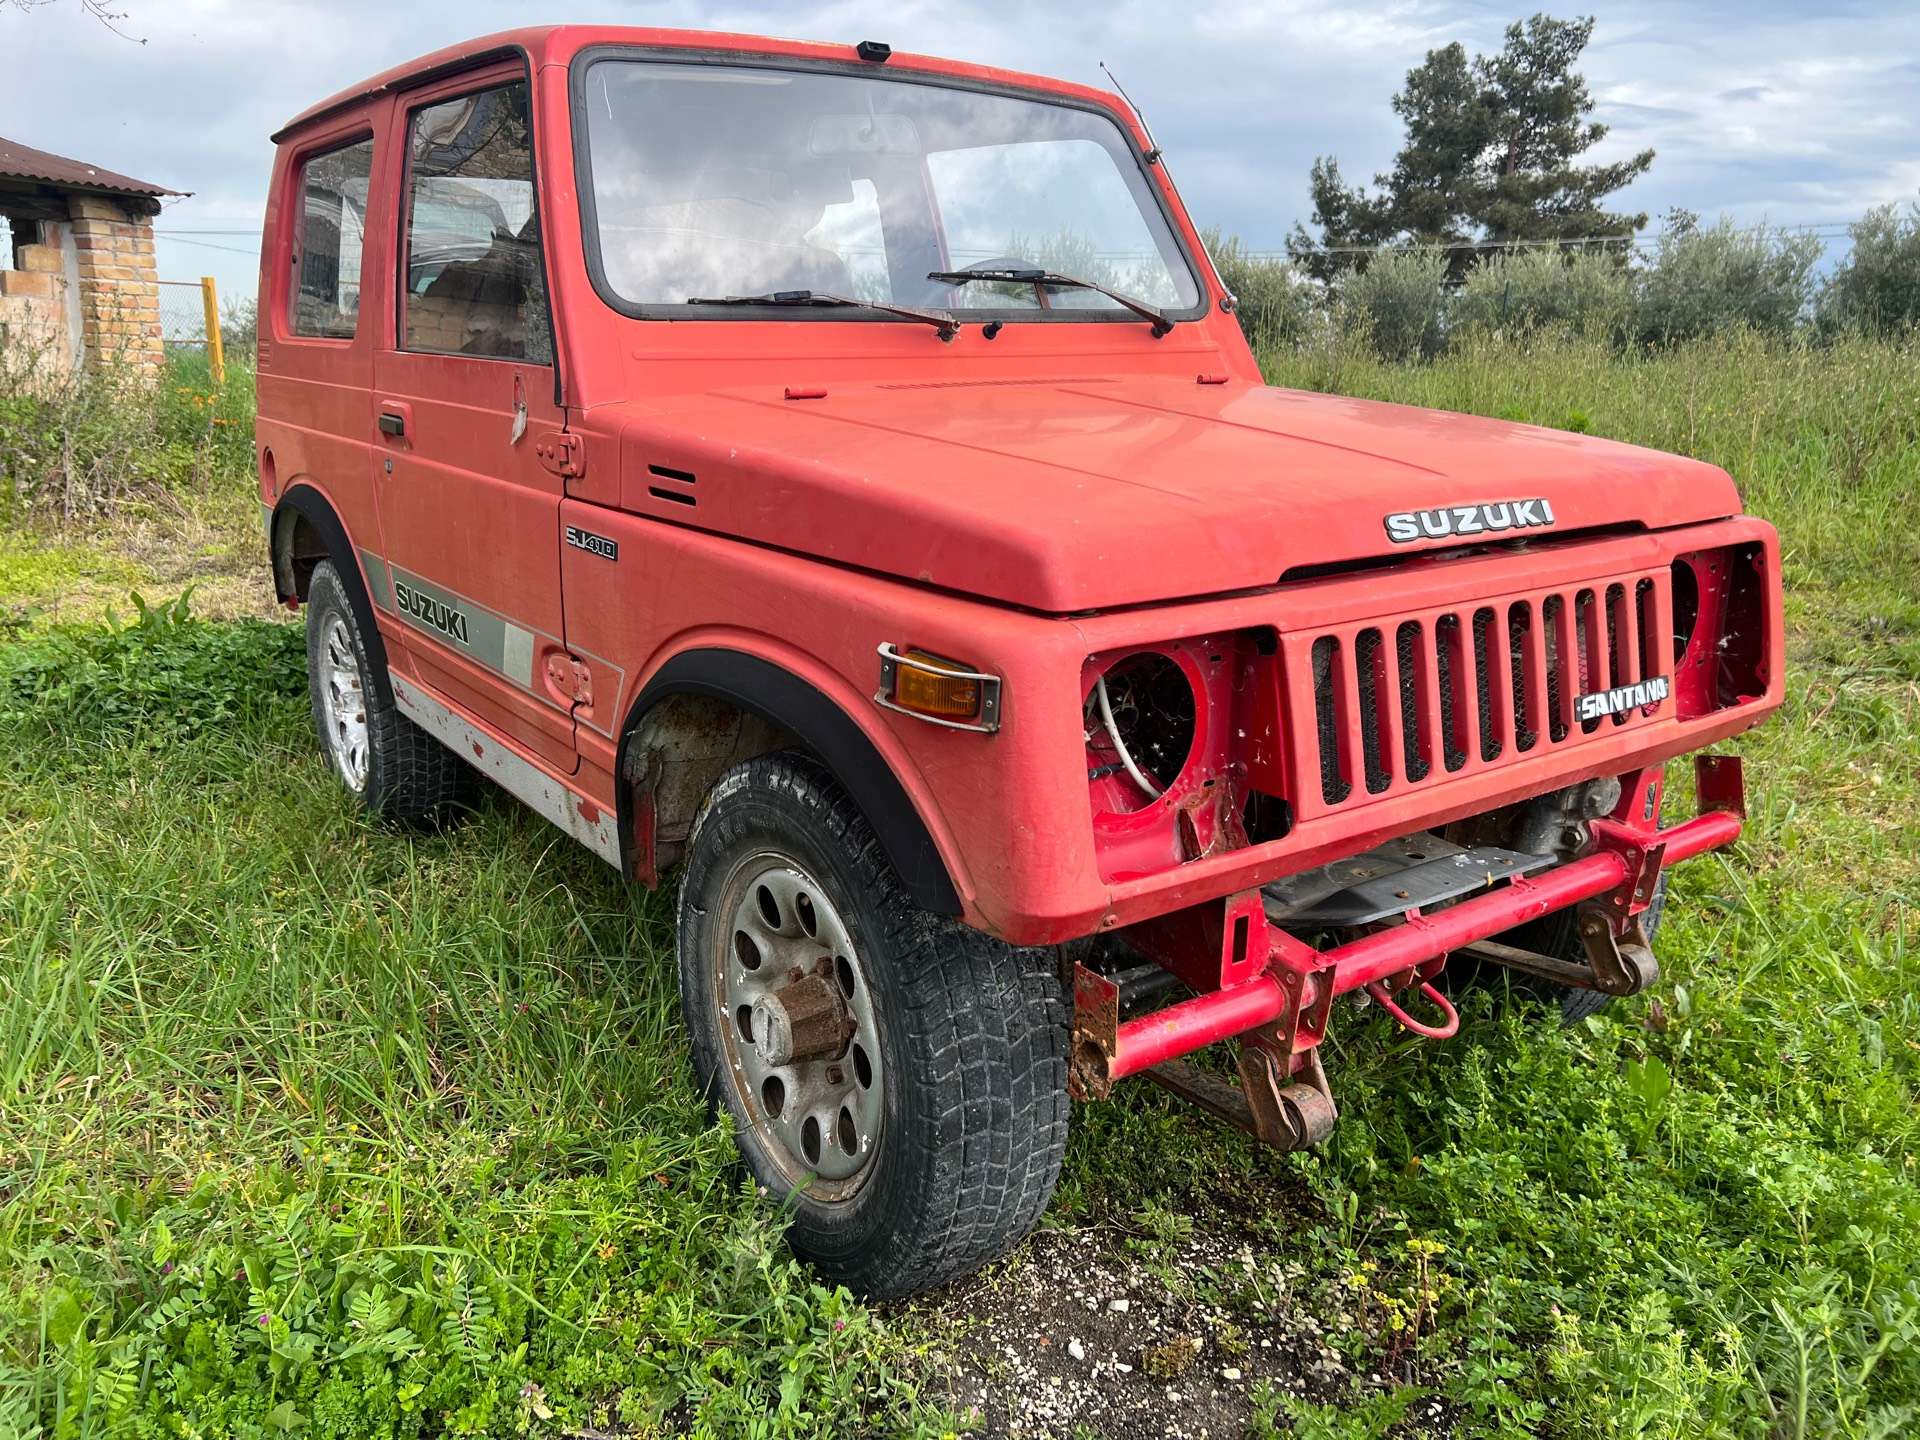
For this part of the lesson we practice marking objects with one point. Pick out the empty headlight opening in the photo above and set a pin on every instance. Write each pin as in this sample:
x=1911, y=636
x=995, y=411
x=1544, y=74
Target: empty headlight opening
x=1141, y=722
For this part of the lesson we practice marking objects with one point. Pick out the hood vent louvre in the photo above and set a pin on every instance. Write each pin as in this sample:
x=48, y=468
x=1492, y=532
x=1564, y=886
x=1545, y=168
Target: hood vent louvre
x=678, y=477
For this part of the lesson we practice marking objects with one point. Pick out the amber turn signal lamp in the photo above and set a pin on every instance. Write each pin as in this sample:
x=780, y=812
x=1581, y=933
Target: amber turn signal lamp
x=934, y=692
x=942, y=691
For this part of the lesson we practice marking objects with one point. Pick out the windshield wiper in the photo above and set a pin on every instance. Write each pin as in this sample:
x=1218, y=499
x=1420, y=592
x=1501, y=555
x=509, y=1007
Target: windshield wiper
x=1037, y=278
x=945, y=324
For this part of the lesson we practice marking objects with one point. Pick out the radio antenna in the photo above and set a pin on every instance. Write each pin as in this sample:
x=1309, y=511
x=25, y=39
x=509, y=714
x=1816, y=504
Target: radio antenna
x=1153, y=146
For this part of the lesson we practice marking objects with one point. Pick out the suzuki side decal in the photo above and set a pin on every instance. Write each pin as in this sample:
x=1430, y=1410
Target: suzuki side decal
x=492, y=639
x=449, y=620
x=503, y=646
x=1451, y=522
x=1622, y=698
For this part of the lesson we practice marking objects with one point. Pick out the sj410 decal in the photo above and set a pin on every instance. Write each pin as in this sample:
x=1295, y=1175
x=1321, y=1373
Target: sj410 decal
x=593, y=544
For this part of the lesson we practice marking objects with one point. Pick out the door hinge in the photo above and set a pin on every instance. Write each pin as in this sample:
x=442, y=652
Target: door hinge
x=570, y=677
x=564, y=453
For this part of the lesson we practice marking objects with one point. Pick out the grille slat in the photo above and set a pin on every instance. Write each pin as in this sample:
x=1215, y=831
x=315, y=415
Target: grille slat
x=1410, y=648
x=1407, y=701
x=1486, y=679
x=1523, y=662
x=1446, y=641
x=1553, y=618
x=1333, y=783
x=1647, y=612
x=1591, y=647
x=1620, y=641
x=1370, y=694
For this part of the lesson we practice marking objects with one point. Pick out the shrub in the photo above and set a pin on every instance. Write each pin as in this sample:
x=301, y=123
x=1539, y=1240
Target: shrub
x=1276, y=305
x=80, y=443
x=161, y=676
x=1529, y=291
x=240, y=328
x=1877, y=287
x=1399, y=303
x=1703, y=282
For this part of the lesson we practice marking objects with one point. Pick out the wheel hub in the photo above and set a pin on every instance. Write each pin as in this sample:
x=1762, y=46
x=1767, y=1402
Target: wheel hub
x=798, y=1026
x=805, y=1019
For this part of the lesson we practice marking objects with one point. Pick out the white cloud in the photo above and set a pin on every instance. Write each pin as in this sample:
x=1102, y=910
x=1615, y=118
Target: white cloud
x=1759, y=109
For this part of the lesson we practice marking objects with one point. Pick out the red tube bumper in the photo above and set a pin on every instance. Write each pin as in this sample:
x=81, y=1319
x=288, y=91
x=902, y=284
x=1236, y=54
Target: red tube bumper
x=1181, y=1029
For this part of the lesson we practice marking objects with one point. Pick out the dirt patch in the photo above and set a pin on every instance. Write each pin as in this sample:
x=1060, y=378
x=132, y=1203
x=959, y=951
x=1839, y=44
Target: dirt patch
x=158, y=548
x=1091, y=1331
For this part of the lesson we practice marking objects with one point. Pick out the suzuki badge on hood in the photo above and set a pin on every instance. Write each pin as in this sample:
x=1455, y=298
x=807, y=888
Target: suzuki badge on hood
x=1459, y=521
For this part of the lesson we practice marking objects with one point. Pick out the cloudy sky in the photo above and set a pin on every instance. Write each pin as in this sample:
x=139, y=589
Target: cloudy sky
x=1764, y=110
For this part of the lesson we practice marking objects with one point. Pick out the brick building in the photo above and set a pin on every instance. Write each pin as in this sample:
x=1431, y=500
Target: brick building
x=78, y=281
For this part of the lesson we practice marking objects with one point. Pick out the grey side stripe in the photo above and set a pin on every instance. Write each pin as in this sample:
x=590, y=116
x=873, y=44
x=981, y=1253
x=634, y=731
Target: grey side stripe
x=468, y=626
x=377, y=580
x=483, y=635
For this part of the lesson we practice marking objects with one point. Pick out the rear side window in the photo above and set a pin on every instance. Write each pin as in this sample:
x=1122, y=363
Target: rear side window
x=332, y=227
x=473, y=283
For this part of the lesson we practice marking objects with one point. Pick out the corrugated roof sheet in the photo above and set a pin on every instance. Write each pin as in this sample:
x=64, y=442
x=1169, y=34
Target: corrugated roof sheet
x=23, y=162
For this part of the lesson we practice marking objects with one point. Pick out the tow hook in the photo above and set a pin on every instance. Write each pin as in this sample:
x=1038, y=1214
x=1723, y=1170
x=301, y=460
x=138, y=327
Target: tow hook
x=1446, y=1029
x=1622, y=964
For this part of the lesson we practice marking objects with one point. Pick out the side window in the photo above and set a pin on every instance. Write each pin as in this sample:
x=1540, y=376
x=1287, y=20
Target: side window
x=332, y=197
x=473, y=282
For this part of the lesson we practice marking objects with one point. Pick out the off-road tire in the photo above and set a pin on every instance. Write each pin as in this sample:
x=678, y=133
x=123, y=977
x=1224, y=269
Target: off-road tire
x=410, y=778
x=972, y=1032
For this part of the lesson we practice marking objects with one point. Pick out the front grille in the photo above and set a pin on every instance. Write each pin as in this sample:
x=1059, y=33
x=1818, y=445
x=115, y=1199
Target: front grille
x=1416, y=698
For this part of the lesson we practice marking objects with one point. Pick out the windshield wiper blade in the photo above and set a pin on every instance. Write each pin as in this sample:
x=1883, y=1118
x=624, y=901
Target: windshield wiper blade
x=945, y=324
x=1037, y=278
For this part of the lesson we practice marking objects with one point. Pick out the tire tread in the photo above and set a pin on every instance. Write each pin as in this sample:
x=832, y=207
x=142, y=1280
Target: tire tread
x=984, y=1039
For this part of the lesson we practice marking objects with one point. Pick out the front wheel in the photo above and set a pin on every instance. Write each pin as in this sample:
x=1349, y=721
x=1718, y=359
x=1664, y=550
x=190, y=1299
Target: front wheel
x=897, y=1078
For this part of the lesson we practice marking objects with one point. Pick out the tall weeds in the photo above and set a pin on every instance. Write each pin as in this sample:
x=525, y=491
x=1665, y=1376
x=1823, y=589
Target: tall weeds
x=77, y=444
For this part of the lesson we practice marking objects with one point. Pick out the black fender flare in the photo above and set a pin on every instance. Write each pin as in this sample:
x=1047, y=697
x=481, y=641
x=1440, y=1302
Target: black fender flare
x=313, y=507
x=784, y=699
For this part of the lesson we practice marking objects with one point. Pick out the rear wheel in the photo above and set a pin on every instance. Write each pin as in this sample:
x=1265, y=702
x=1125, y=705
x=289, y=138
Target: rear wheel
x=394, y=768
x=896, y=1078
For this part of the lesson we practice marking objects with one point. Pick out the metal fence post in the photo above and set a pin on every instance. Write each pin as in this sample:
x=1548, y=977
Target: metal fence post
x=216, y=355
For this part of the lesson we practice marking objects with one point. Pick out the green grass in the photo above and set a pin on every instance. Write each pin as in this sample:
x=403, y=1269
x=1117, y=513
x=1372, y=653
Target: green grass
x=308, y=1127
x=33, y=571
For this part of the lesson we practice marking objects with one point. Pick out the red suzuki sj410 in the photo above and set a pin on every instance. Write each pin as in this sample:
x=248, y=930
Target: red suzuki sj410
x=840, y=473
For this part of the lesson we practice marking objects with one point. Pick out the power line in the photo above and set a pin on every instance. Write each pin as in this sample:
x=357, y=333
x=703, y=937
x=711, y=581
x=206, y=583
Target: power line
x=209, y=245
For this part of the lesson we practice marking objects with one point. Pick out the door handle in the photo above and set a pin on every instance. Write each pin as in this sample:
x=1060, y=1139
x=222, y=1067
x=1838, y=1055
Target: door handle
x=395, y=417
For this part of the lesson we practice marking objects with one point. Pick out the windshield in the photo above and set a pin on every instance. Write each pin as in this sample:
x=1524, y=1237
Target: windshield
x=714, y=180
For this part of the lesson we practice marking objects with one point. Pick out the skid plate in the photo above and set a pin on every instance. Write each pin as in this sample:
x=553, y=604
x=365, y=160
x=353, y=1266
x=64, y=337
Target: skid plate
x=1391, y=879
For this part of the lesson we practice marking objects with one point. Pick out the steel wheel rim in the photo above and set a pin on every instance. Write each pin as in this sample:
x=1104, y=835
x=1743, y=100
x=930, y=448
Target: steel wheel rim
x=818, y=1119
x=343, y=703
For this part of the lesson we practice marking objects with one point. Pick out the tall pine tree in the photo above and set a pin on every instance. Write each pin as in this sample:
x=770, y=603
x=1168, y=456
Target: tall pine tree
x=1489, y=156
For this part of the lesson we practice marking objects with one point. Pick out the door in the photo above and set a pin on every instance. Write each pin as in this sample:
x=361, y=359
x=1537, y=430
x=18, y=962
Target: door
x=463, y=402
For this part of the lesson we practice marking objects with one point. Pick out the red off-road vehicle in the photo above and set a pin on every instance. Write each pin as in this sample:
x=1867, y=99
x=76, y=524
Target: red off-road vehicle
x=841, y=473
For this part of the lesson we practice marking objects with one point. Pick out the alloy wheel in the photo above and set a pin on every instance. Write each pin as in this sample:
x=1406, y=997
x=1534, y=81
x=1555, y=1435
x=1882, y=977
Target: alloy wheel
x=343, y=703
x=798, y=1026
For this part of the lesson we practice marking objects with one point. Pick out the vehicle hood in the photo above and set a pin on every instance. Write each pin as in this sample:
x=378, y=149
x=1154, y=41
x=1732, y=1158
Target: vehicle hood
x=1079, y=494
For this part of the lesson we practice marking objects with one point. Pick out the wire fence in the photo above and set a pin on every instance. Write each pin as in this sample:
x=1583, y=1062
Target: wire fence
x=190, y=318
